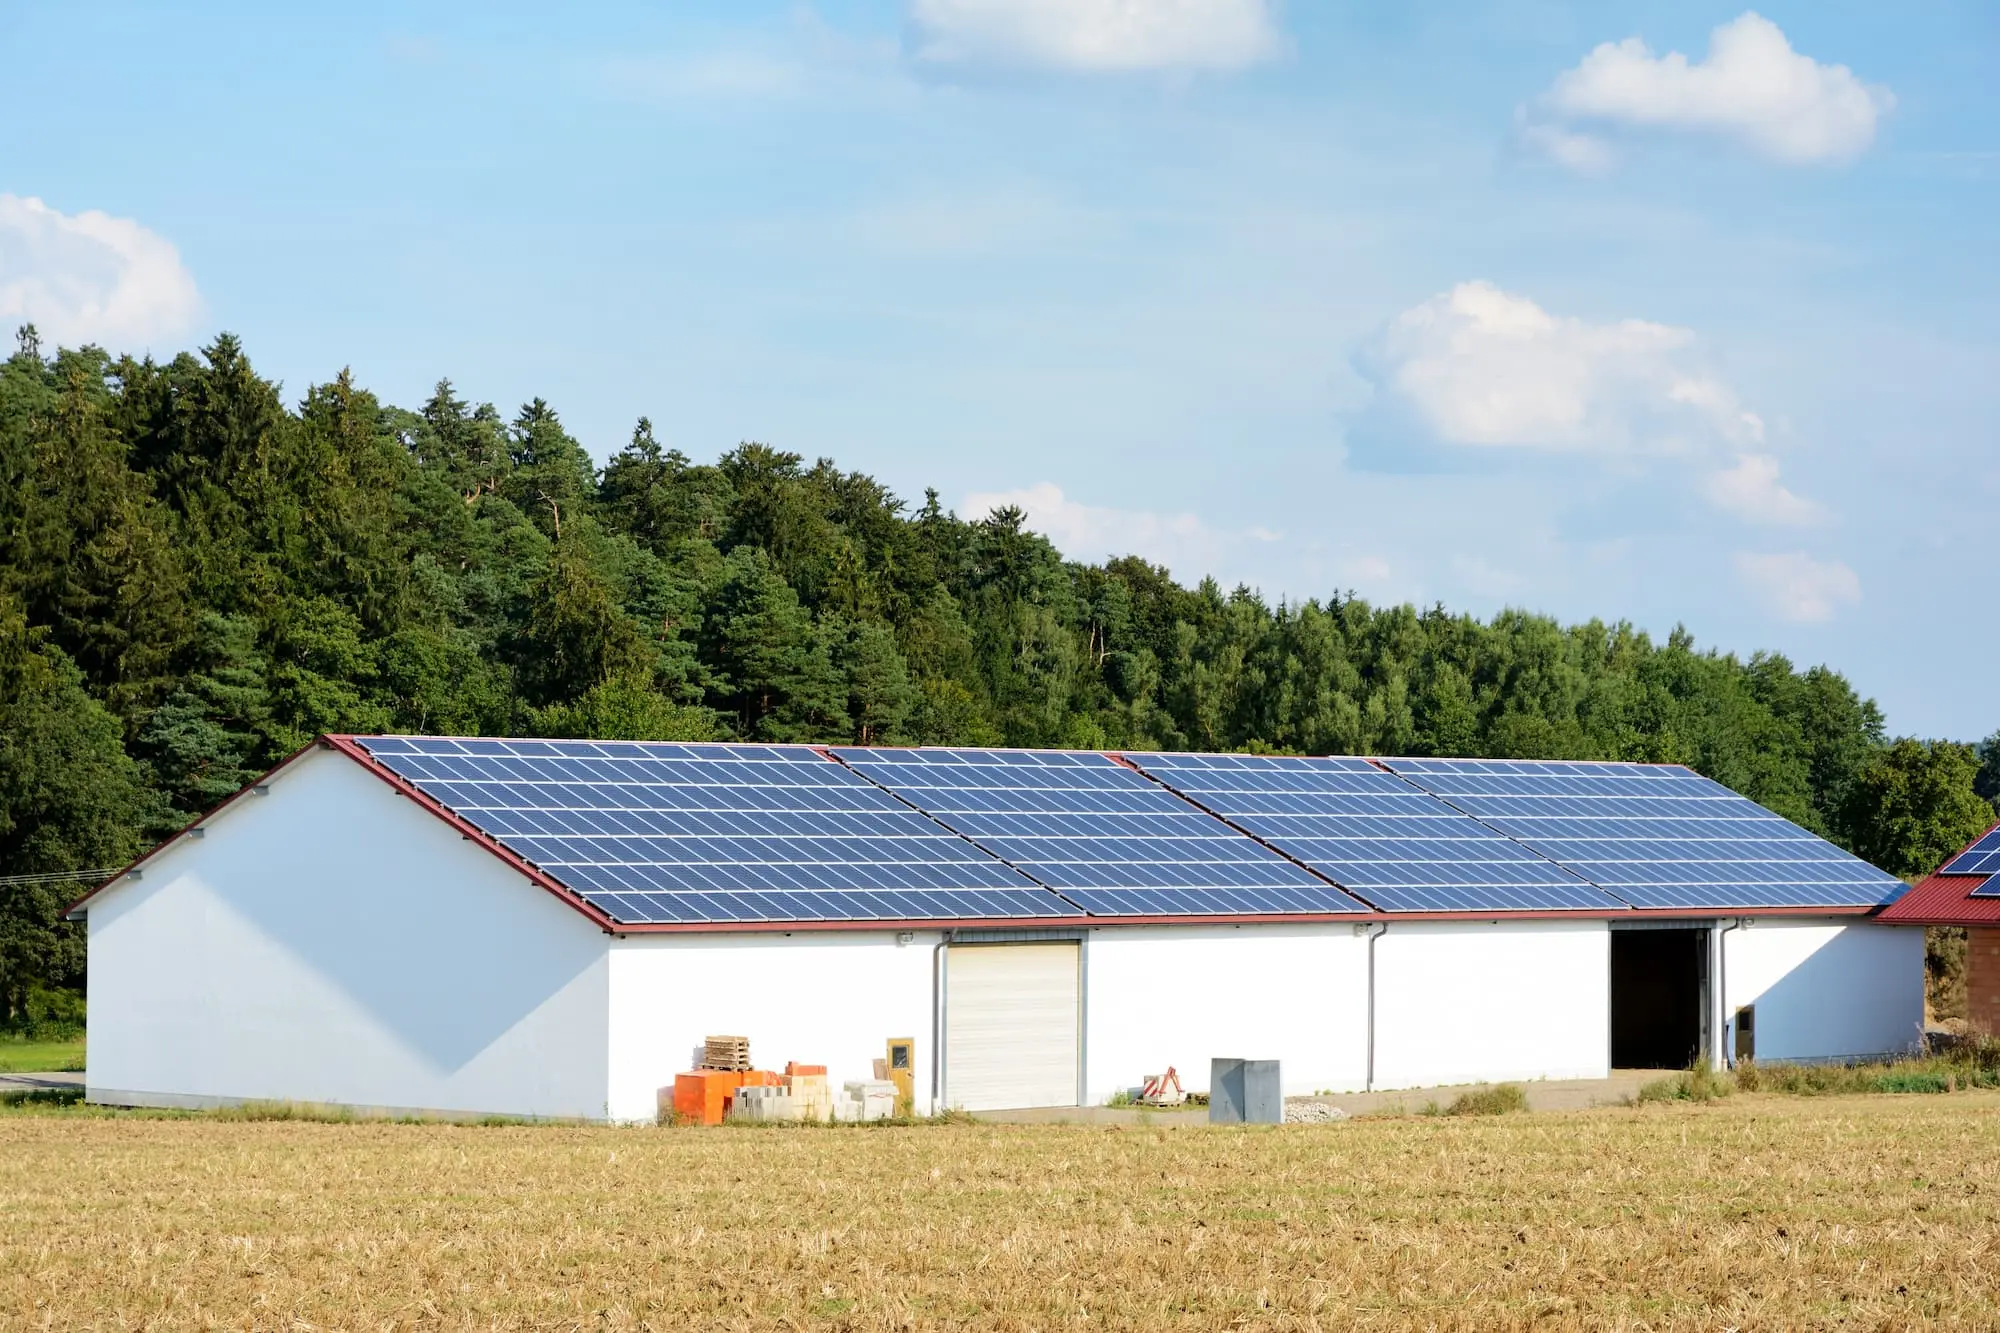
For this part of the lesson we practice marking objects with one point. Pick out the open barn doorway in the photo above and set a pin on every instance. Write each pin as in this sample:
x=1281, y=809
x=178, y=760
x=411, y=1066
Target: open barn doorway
x=1659, y=997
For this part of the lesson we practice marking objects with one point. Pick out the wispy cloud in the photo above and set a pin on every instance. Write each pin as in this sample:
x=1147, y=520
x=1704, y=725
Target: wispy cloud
x=1183, y=542
x=1752, y=88
x=90, y=277
x=1796, y=586
x=1094, y=36
x=801, y=56
x=1750, y=490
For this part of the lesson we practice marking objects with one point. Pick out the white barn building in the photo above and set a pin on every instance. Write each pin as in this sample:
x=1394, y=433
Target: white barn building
x=551, y=928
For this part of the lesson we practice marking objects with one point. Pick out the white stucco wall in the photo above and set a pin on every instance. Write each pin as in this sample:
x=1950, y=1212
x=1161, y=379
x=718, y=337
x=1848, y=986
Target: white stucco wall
x=1826, y=989
x=1465, y=1003
x=332, y=942
x=1183, y=995
x=830, y=998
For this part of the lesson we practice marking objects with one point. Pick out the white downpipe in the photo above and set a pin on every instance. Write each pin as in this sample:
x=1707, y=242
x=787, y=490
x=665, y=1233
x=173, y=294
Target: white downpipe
x=1375, y=932
x=1723, y=1055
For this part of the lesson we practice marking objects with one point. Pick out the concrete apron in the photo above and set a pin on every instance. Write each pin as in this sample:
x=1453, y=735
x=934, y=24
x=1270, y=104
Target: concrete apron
x=1569, y=1094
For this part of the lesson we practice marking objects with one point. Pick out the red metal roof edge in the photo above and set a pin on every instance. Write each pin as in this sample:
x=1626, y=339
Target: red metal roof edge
x=350, y=746
x=1267, y=919
x=262, y=779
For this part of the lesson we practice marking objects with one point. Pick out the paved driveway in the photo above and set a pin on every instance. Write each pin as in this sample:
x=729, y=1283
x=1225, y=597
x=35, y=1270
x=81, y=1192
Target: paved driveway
x=37, y=1082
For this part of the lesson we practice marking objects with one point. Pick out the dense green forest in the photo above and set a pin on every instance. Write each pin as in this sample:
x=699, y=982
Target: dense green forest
x=198, y=577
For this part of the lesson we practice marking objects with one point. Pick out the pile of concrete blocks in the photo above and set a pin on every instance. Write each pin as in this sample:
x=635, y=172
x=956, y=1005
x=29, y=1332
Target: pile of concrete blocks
x=866, y=1099
x=769, y=1103
x=810, y=1093
x=803, y=1094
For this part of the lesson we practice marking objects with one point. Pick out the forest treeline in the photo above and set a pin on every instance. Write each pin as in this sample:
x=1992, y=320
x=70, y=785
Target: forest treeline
x=200, y=576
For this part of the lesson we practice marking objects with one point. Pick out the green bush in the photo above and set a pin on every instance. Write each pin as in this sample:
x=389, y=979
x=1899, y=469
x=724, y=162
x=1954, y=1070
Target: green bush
x=50, y=1013
x=1496, y=1100
x=1697, y=1083
x=1972, y=1064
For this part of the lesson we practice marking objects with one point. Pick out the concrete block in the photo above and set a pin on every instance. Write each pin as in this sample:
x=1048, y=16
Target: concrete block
x=875, y=1099
x=763, y=1103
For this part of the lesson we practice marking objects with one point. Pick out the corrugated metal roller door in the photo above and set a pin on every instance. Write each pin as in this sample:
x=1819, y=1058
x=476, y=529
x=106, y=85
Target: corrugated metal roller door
x=1012, y=1025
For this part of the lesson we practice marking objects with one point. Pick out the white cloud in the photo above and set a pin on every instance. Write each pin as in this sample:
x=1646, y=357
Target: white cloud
x=1753, y=88
x=1586, y=154
x=1480, y=366
x=1181, y=542
x=1094, y=36
x=1798, y=587
x=1751, y=490
x=90, y=277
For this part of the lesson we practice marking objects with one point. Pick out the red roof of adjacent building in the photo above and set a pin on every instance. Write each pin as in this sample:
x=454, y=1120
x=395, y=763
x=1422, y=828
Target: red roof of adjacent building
x=1947, y=900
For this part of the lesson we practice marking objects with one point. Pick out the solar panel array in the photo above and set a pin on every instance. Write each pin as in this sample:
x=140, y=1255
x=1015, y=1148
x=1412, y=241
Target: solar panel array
x=1375, y=834
x=657, y=833
x=1981, y=858
x=1657, y=836
x=1105, y=837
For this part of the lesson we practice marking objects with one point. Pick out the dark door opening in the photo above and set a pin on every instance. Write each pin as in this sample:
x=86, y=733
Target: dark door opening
x=1658, y=994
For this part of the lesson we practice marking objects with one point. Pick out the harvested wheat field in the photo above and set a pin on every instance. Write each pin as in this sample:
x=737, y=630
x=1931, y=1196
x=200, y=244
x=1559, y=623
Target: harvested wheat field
x=1756, y=1213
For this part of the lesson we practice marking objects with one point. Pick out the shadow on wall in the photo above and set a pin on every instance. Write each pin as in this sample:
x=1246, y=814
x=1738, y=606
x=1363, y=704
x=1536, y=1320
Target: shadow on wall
x=1843, y=999
x=444, y=979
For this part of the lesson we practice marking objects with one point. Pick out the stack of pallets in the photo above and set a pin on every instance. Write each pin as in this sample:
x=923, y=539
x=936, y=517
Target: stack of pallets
x=725, y=1053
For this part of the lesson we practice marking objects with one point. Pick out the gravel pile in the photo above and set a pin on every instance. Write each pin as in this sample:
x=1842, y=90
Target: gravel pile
x=1312, y=1113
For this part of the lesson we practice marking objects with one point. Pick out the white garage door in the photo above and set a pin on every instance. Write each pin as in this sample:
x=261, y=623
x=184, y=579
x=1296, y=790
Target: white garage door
x=1011, y=1020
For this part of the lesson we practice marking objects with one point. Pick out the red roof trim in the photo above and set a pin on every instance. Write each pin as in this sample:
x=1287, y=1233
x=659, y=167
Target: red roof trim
x=1271, y=919
x=349, y=746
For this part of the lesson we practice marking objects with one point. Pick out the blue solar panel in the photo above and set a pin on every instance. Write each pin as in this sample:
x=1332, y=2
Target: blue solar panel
x=1656, y=835
x=1102, y=835
x=1981, y=858
x=658, y=833
x=1376, y=835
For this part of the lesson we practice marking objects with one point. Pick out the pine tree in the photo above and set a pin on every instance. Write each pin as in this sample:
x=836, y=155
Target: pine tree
x=574, y=636
x=774, y=671
x=69, y=799
x=212, y=734
x=879, y=694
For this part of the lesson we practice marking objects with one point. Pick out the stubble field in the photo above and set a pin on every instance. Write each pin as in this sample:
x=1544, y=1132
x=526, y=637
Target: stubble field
x=1756, y=1213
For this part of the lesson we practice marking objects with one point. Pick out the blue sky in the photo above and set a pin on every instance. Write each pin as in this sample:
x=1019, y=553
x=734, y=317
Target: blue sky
x=1675, y=313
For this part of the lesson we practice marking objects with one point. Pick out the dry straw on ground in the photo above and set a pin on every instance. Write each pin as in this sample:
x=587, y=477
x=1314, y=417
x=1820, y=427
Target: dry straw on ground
x=1756, y=1213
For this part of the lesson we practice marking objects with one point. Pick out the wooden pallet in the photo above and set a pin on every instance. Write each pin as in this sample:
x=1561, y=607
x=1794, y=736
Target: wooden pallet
x=725, y=1053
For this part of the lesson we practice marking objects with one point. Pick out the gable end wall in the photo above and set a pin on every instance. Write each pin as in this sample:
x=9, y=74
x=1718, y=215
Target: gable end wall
x=332, y=942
